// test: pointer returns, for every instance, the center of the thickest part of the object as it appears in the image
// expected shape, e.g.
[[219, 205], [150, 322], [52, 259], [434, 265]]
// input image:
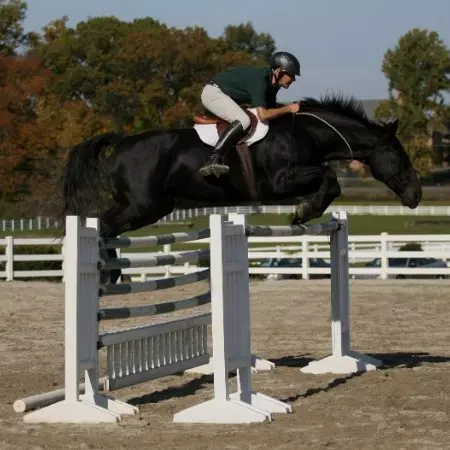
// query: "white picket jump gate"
[[147, 352]]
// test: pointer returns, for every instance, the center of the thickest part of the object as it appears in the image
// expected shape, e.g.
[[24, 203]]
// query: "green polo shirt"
[[249, 85]]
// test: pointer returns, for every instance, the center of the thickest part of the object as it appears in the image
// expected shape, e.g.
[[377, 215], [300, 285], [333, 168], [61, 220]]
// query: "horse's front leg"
[[315, 204]]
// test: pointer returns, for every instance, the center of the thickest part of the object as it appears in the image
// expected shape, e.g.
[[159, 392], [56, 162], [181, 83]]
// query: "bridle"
[[331, 126], [393, 178]]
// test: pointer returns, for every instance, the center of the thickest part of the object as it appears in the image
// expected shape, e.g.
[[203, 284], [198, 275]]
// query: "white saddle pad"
[[208, 133]]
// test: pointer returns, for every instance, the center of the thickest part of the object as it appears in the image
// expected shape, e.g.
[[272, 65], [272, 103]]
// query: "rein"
[[331, 126]]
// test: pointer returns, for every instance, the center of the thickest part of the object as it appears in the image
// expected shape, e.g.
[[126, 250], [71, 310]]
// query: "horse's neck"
[[346, 142], [339, 148]]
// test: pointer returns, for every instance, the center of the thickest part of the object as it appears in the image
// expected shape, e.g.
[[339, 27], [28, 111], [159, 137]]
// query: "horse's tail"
[[84, 174]]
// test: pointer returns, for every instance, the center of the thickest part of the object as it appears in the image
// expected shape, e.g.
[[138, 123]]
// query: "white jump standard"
[[143, 353], [230, 308], [342, 360]]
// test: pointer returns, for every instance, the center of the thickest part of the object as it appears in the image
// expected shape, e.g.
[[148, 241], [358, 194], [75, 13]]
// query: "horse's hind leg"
[[113, 222]]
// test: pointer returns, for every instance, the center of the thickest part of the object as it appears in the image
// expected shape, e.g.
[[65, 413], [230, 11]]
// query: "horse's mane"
[[336, 103]]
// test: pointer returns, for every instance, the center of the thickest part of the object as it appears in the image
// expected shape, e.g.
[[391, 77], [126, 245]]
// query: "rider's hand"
[[294, 107]]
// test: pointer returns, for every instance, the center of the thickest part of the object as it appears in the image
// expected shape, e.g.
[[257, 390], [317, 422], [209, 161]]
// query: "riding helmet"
[[286, 61]]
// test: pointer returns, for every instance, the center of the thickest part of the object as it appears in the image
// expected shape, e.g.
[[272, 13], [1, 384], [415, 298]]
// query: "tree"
[[22, 142], [12, 36], [143, 74], [243, 37], [418, 70], [81, 59], [67, 84]]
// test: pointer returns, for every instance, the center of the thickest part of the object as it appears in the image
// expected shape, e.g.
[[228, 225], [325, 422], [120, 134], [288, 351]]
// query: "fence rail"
[[46, 223], [38, 223], [304, 248], [388, 210]]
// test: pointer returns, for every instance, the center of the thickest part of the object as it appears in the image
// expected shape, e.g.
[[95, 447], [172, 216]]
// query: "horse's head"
[[390, 164], [343, 129]]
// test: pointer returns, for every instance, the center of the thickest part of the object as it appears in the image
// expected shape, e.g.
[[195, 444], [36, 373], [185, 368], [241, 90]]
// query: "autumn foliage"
[[23, 139], [68, 84], [65, 84]]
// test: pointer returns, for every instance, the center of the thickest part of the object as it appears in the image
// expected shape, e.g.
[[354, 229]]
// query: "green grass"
[[361, 224], [388, 201], [52, 233]]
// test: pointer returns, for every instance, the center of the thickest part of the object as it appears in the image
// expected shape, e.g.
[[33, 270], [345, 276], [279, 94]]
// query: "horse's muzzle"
[[412, 195]]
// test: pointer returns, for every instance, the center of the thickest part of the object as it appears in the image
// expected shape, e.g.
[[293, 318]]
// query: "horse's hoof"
[[125, 279], [300, 214]]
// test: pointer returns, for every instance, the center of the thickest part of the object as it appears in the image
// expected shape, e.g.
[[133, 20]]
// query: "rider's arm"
[[271, 113], [257, 90]]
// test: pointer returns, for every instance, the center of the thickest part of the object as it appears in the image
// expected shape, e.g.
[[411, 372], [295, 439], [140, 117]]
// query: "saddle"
[[242, 146], [203, 118]]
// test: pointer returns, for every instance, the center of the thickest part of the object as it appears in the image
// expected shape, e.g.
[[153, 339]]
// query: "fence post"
[[119, 255], [352, 249], [63, 254], [305, 258], [167, 249], [9, 253], [384, 258]]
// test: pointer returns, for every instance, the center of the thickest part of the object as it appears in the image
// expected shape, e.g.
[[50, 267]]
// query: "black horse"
[[149, 174]]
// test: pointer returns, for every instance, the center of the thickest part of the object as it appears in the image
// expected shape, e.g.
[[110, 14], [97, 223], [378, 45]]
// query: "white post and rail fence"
[[362, 249]]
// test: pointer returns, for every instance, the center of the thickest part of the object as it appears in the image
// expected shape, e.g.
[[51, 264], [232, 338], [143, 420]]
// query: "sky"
[[340, 43]]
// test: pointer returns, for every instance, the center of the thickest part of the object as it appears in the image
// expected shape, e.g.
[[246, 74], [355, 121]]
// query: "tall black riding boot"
[[229, 138]]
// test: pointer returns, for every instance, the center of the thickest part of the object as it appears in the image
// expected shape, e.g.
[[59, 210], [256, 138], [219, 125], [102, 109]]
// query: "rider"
[[257, 87]]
